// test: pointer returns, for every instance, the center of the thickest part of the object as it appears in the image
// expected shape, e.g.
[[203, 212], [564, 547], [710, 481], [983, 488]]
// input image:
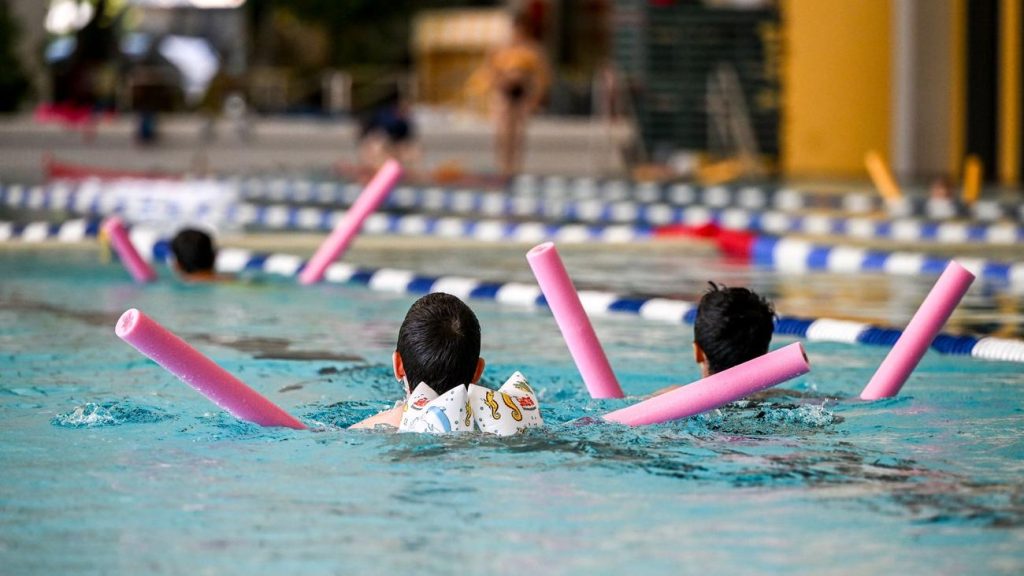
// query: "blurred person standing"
[[519, 77]]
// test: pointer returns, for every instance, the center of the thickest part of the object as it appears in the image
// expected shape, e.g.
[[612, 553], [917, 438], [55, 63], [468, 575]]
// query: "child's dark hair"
[[733, 325], [439, 342], [193, 249]]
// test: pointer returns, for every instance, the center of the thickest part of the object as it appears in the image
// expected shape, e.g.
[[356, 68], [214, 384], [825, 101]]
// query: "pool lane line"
[[233, 261], [798, 256], [70, 197], [778, 195], [409, 225], [287, 217], [283, 216], [69, 231], [460, 200], [467, 200], [787, 255], [744, 195], [781, 197]]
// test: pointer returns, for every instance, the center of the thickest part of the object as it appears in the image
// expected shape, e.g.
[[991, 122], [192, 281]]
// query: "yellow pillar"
[[973, 176], [837, 89], [1009, 91]]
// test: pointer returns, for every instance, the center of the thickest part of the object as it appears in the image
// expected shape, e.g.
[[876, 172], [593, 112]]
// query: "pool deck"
[[556, 145]]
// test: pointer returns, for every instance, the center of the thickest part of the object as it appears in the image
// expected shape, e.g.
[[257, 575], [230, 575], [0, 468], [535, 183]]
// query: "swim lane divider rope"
[[91, 200], [598, 303], [595, 302], [787, 255]]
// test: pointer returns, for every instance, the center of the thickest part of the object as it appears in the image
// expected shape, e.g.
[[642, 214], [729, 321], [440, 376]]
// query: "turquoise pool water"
[[111, 465]]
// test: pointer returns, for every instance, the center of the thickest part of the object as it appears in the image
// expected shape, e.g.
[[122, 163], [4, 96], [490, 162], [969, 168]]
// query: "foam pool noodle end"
[[718, 389], [335, 245], [911, 346], [573, 322], [198, 371], [140, 270]]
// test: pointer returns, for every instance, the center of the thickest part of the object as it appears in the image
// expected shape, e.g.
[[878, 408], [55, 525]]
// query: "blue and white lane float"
[[234, 261], [94, 203], [69, 231], [788, 255], [766, 221], [283, 217], [594, 212], [587, 206], [786, 199], [231, 261], [556, 196], [382, 224], [798, 256]]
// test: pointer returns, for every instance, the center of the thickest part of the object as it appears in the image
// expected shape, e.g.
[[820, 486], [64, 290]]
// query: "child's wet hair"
[[733, 325], [439, 342], [193, 250]]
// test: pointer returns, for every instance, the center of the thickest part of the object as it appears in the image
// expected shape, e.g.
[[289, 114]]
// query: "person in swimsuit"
[[519, 78]]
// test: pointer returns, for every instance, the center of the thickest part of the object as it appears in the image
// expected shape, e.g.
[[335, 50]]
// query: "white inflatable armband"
[[504, 412], [427, 412]]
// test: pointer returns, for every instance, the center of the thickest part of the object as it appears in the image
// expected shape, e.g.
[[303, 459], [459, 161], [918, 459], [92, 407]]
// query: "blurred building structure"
[[808, 86], [924, 82], [449, 47]]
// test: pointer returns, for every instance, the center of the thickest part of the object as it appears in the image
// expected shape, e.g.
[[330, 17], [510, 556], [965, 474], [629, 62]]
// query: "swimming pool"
[[112, 465]]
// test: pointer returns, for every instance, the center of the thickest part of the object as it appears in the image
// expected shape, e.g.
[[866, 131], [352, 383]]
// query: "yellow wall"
[[836, 85], [1009, 98]]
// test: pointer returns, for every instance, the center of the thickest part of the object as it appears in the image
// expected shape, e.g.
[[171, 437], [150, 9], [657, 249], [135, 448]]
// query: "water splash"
[[758, 418], [111, 413]]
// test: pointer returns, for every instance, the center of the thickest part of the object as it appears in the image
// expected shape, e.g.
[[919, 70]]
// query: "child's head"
[[193, 250], [733, 325], [439, 343]]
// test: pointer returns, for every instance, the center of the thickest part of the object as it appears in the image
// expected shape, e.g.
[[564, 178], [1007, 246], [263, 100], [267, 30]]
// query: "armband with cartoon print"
[[506, 411]]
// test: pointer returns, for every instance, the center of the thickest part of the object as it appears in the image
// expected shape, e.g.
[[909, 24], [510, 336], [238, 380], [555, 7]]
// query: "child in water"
[[194, 255], [438, 344], [733, 325], [439, 348]]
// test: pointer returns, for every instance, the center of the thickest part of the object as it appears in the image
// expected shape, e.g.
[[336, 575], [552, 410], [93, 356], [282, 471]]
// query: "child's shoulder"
[[391, 417]]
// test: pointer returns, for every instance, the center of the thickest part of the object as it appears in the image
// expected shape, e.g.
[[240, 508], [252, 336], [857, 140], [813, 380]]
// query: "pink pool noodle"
[[919, 333], [199, 372], [572, 320], [140, 270], [336, 244], [718, 389]]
